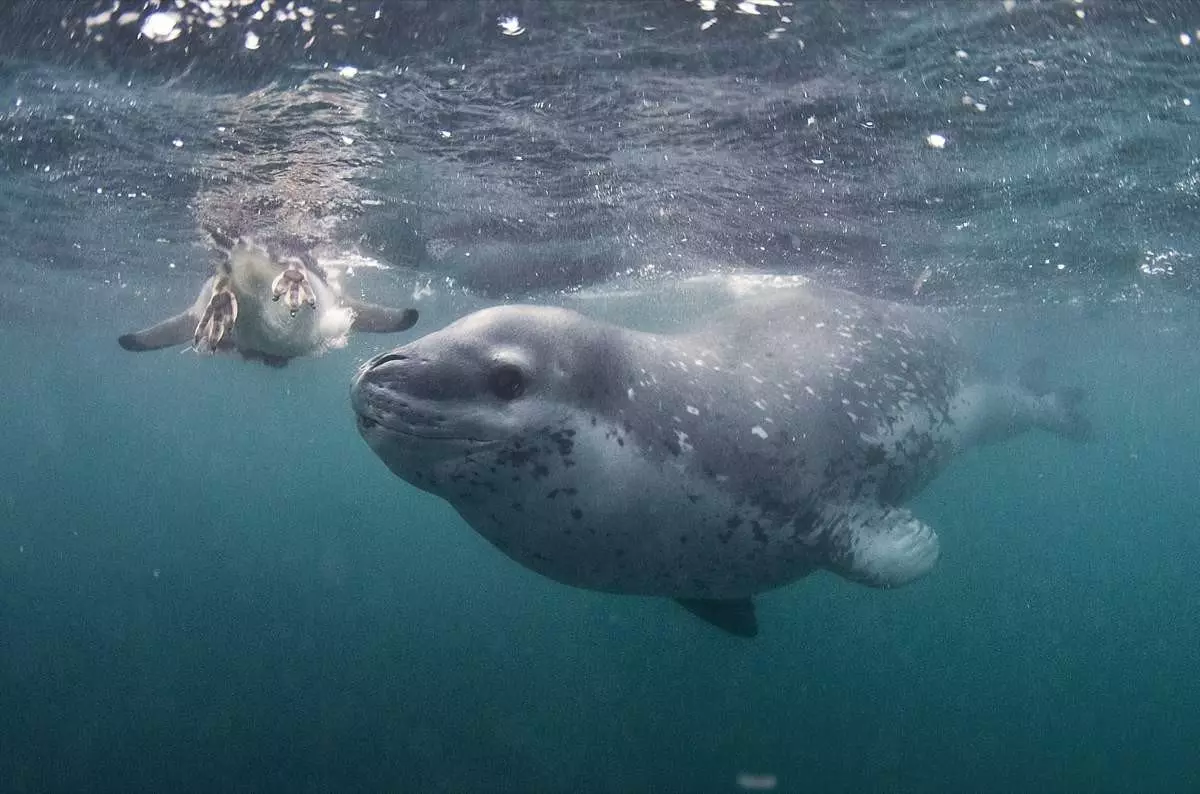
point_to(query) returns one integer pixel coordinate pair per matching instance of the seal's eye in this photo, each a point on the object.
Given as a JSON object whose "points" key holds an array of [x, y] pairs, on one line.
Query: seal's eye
{"points": [[506, 382]]}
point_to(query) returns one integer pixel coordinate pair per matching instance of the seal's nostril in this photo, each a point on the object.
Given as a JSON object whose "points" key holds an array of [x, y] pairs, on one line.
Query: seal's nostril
{"points": [[387, 358], [366, 424]]}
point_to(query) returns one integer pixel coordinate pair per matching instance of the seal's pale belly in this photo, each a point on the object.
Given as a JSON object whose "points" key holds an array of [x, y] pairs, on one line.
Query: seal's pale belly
{"points": [[598, 514]]}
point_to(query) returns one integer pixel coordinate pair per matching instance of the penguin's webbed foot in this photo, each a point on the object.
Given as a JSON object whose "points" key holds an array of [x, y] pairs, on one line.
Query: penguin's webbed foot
{"points": [[293, 286], [216, 322]]}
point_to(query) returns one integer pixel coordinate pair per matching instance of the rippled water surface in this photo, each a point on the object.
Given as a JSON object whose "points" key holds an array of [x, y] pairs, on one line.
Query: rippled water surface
{"points": [[209, 583]]}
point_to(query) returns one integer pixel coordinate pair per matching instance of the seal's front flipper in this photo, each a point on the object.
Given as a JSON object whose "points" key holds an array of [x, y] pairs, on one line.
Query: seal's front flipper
{"points": [[735, 616], [168, 333], [217, 320], [293, 286], [380, 319], [880, 546]]}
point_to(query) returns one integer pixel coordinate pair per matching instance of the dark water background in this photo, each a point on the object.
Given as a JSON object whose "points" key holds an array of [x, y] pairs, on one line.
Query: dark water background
{"points": [[207, 582]]}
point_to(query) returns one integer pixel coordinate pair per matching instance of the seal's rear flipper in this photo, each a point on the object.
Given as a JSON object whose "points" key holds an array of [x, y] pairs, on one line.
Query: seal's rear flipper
{"points": [[735, 616], [168, 333], [380, 319], [1059, 410], [1062, 413], [881, 546]]}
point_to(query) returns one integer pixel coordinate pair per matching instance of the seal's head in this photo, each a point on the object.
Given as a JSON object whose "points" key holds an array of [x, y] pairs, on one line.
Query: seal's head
{"points": [[479, 387]]}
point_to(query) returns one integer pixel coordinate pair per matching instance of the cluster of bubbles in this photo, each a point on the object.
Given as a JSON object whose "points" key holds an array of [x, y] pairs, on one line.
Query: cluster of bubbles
{"points": [[164, 22]]}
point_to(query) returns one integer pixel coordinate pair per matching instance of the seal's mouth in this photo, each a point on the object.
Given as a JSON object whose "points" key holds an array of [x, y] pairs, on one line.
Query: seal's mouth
{"points": [[376, 420], [368, 425]]}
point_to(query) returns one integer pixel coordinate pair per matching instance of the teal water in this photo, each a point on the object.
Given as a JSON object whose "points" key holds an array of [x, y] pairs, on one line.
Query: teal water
{"points": [[209, 583], [212, 584]]}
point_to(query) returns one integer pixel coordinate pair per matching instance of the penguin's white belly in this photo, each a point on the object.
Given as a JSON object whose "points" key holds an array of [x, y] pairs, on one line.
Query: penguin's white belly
{"points": [[265, 326]]}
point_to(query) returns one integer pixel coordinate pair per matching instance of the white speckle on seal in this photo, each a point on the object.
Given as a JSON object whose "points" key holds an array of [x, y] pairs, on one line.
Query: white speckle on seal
{"points": [[629, 393], [760, 405], [693, 410], [682, 438], [758, 431]]}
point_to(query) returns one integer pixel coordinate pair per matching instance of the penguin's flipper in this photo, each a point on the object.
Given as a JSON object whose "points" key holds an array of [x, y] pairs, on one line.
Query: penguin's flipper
{"points": [[177, 330], [375, 319]]}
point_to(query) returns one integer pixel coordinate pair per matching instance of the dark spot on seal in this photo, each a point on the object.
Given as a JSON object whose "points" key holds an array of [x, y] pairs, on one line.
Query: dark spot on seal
{"points": [[693, 498], [540, 471], [733, 522], [552, 494], [724, 536], [672, 445], [520, 508], [576, 513]]}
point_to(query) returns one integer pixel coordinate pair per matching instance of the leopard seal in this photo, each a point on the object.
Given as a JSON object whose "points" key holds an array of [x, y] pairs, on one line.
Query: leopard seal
{"points": [[271, 302], [782, 436]]}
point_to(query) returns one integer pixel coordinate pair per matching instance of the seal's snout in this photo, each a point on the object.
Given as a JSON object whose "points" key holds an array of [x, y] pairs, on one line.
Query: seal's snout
{"points": [[387, 358], [380, 388], [371, 368]]}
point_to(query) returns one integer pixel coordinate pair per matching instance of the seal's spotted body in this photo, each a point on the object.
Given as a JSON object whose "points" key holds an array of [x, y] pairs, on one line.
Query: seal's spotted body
{"points": [[705, 467]]}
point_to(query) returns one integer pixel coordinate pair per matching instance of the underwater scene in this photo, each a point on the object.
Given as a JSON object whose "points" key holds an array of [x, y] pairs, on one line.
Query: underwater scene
{"points": [[590, 396]]}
